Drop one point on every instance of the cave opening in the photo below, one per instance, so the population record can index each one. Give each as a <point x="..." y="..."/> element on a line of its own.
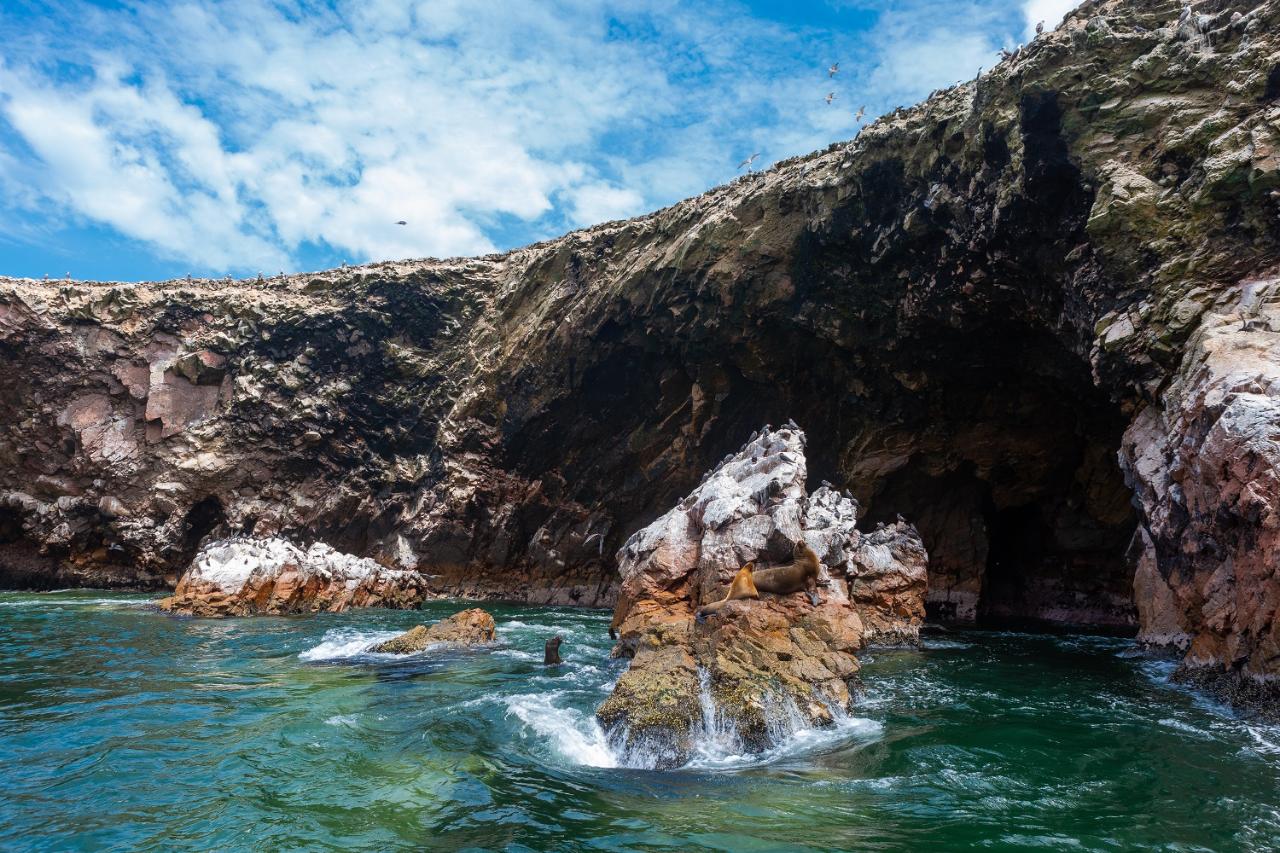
<point x="1014" y="484"/>
<point x="205" y="516"/>
<point x="22" y="566"/>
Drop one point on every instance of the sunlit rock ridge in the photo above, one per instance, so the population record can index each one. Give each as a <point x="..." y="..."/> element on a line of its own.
<point x="1035" y="314"/>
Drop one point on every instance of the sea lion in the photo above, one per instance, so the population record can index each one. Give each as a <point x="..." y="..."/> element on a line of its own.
<point x="551" y="654"/>
<point x="743" y="586"/>
<point x="800" y="573"/>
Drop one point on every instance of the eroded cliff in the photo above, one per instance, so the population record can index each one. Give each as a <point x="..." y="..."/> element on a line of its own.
<point x="1034" y="314"/>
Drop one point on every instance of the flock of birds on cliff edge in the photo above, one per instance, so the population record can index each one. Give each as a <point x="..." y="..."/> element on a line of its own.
<point x="834" y="69"/>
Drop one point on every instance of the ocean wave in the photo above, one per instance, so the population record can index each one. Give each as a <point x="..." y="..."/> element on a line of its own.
<point x="346" y="643"/>
<point x="571" y="734"/>
<point x="76" y="602"/>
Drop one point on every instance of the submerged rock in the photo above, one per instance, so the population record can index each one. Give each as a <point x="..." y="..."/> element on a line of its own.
<point x="469" y="628"/>
<point x="766" y="664"/>
<point x="241" y="577"/>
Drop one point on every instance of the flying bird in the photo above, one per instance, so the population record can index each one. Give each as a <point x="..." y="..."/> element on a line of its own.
<point x="401" y="222"/>
<point x="835" y="67"/>
<point x="861" y="112"/>
<point x="831" y="96"/>
<point x="747" y="162"/>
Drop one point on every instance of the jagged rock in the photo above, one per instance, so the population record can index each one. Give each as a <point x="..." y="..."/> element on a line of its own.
<point x="888" y="583"/>
<point x="971" y="307"/>
<point x="766" y="662"/>
<point x="1204" y="461"/>
<point x="472" y="627"/>
<point x="240" y="577"/>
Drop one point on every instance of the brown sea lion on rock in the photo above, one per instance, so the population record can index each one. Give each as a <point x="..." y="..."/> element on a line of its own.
<point x="551" y="654"/>
<point x="743" y="586"/>
<point x="800" y="574"/>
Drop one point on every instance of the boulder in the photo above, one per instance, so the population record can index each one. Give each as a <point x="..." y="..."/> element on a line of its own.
<point x="242" y="577"/>
<point x="760" y="667"/>
<point x="469" y="628"/>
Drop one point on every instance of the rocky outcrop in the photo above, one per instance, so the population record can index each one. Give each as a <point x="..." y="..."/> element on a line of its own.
<point x="888" y="580"/>
<point x="1204" y="462"/>
<point x="242" y="577"/>
<point x="971" y="307"/>
<point x="472" y="627"/>
<point x="759" y="665"/>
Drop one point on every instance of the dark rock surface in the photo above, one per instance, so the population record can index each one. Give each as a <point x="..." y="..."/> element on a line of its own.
<point x="972" y="308"/>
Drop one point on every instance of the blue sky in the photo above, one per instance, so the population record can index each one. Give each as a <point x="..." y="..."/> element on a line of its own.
<point x="147" y="140"/>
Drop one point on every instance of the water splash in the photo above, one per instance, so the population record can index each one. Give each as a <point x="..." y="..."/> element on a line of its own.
<point x="347" y="643"/>
<point x="572" y="735"/>
<point x="719" y="745"/>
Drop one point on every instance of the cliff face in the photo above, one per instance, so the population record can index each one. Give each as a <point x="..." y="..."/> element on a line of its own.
<point x="974" y="310"/>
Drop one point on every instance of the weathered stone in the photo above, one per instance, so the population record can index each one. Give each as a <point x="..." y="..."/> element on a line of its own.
<point x="468" y="628"/>
<point x="765" y="664"/>
<point x="242" y="577"/>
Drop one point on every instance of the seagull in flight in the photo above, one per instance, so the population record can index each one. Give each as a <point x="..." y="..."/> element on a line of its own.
<point x="831" y="96"/>
<point x="861" y="112"/>
<point x="834" y="69"/>
<point x="747" y="162"/>
<point x="401" y="222"/>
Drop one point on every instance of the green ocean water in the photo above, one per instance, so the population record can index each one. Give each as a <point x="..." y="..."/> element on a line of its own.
<point x="124" y="729"/>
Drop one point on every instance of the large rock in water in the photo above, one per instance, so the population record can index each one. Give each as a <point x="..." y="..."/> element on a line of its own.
<point x="975" y="307"/>
<point x="472" y="627"/>
<point x="765" y="665"/>
<point x="241" y="577"/>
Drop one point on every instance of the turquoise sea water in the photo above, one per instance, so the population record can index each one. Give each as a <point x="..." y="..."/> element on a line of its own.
<point x="124" y="729"/>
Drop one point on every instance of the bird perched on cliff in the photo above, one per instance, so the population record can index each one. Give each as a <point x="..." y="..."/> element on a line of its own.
<point x="861" y="112"/>
<point x="831" y="96"/>
<point x="834" y="69"/>
<point x="747" y="162"/>
<point x="401" y="222"/>
<point x="1040" y="28"/>
<point x="1005" y="53"/>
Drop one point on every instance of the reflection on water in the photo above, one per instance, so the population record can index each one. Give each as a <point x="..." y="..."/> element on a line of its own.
<point x="122" y="728"/>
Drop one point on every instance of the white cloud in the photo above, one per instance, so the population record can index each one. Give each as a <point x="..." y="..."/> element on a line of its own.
<point x="1051" y="12"/>
<point x="235" y="134"/>
<point x="601" y="202"/>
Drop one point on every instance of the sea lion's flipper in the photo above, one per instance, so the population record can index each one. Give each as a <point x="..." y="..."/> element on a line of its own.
<point x="813" y="596"/>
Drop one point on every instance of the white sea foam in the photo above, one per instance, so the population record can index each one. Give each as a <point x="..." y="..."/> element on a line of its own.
<point x="930" y="644"/>
<point x="346" y="721"/>
<point x="343" y="643"/>
<point x="572" y="735"/>
<point x="718" y="745"/>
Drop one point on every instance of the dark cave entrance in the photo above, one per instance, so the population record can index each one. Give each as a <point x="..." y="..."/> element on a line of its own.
<point x="1015" y="561"/>
<point x="1023" y="509"/>
<point x="204" y="517"/>
<point x="22" y="566"/>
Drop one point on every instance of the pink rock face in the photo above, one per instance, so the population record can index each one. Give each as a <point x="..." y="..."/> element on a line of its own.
<point x="242" y="577"/>
<point x="1205" y="465"/>
<point x="764" y="664"/>
<point x="174" y="402"/>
